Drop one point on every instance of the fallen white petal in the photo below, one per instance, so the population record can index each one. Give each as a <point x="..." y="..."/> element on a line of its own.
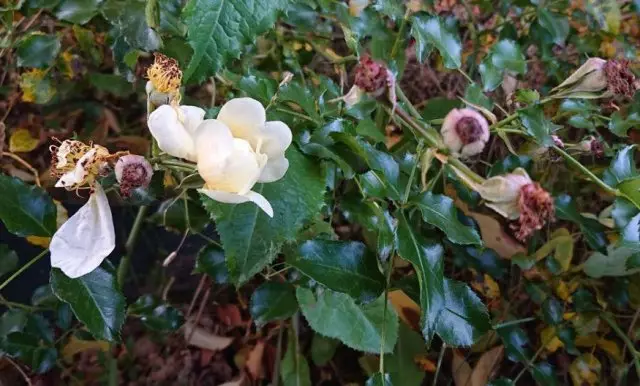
<point x="86" y="239"/>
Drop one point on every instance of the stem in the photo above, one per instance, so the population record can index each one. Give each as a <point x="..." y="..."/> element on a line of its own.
<point x="295" y="114"/>
<point x="384" y="315"/>
<point x="403" y="26"/>
<point x="23" y="268"/>
<point x="513" y="322"/>
<point x="440" y="357"/>
<point x="407" y="190"/>
<point x="123" y="267"/>
<point x="403" y="97"/>
<point x="586" y="171"/>
<point x="431" y="141"/>
<point x="607" y="318"/>
<point x="179" y="164"/>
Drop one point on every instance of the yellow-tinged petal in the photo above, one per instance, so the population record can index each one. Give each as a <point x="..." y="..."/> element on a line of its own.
<point x="245" y="117"/>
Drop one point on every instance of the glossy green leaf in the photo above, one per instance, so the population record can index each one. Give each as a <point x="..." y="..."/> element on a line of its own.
<point x="337" y="315"/>
<point x="426" y="258"/>
<point x="509" y="164"/>
<point x="538" y="125"/>
<point x="619" y="125"/>
<point x="544" y="374"/>
<point x="172" y="214"/>
<point x="294" y="368"/>
<point x="556" y="25"/>
<point x="475" y="95"/>
<point x="341" y="266"/>
<point x="378" y="225"/>
<point x="379" y="379"/>
<point x="12" y="320"/>
<point x="129" y="16"/>
<point x="401" y="364"/>
<point x="95" y="300"/>
<point x="431" y="31"/>
<point x="391" y="8"/>
<point x="440" y="211"/>
<point x="8" y="260"/>
<point x="614" y="263"/>
<point x="591" y="229"/>
<point x="77" y="11"/>
<point x="516" y="343"/>
<point x="250" y="238"/>
<point x="212" y="262"/>
<point x="273" y="301"/>
<point x="464" y="318"/>
<point x="26" y="210"/>
<point x="155" y="314"/>
<point x="622" y="167"/>
<point x="323" y="349"/>
<point x="218" y="29"/>
<point x="29" y="350"/>
<point x="552" y="310"/>
<point x="38" y="50"/>
<point x="505" y="55"/>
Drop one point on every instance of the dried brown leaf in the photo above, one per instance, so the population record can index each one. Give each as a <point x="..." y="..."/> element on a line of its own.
<point x="254" y="361"/>
<point x="202" y="338"/>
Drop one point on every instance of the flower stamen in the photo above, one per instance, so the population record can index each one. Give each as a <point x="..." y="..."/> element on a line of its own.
<point x="165" y="74"/>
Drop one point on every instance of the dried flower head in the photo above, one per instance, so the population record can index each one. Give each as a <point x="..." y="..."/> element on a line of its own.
<point x="516" y="197"/>
<point x="465" y="131"/>
<point x="165" y="74"/>
<point x="133" y="171"/>
<point x="77" y="165"/>
<point x="620" y="79"/>
<point x="372" y="77"/>
<point x="591" y="145"/>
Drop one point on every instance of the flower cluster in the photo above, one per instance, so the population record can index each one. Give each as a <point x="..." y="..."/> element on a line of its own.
<point x="233" y="152"/>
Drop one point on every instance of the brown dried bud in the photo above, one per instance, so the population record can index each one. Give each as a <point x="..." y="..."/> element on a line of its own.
<point x="620" y="79"/>
<point x="371" y="76"/>
<point x="133" y="171"/>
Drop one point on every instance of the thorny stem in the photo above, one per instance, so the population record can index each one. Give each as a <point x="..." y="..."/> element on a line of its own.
<point x="634" y="353"/>
<point x="586" y="171"/>
<point x="123" y="267"/>
<point x="23" y="268"/>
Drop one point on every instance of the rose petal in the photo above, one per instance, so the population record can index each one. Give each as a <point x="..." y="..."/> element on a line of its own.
<point x="170" y="133"/>
<point x="77" y="175"/>
<point x="274" y="170"/>
<point x="192" y="117"/>
<point x="276" y="138"/>
<point x="245" y="117"/>
<point x="86" y="239"/>
<point x="233" y="198"/>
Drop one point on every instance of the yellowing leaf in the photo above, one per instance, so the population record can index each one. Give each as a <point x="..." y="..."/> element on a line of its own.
<point x="561" y="246"/>
<point x="585" y="370"/>
<point x="487" y="287"/>
<point x="550" y="340"/>
<point x="61" y="216"/>
<point x="589" y="340"/>
<point x="21" y="141"/>
<point x="76" y="345"/>
<point x="407" y="309"/>
<point x="611" y="348"/>
<point x="564" y="289"/>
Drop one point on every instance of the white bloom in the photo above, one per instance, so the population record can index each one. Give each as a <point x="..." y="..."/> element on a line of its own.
<point x="233" y="152"/>
<point x="502" y="192"/>
<point x="86" y="239"/>
<point x="465" y="131"/>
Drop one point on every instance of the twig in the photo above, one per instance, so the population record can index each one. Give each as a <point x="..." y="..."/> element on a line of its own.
<point x="123" y="267"/>
<point x="23" y="268"/>
<point x="438" y="366"/>
<point x="196" y="294"/>
<point x="23" y="163"/>
<point x="203" y="302"/>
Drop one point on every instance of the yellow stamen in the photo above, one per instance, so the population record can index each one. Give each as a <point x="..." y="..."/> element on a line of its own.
<point x="165" y="74"/>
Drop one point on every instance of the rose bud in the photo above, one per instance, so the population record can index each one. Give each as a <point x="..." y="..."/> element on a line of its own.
<point x="133" y="171"/>
<point x="596" y="75"/>
<point x="516" y="197"/>
<point x="465" y="131"/>
<point x="591" y="145"/>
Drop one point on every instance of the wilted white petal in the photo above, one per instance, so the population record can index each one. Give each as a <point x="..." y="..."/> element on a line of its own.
<point x="86" y="239"/>
<point x="244" y="116"/>
<point x="172" y="136"/>
<point x="505" y="188"/>
<point x="276" y="138"/>
<point x="77" y="175"/>
<point x="274" y="170"/>
<point x="233" y="198"/>
<point x="589" y="77"/>
<point x="473" y="148"/>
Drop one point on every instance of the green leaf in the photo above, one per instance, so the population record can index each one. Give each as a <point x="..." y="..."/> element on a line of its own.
<point x="217" y="30"/>
<point x="95" y="300"/>
<point x="538" y="125"/>
<point x="323" y="349"/>
<point x="26" y="210"/>
<point x="401" y="363"/>
<point x="591" y="229"/>
<point x="391" y="8"/>
<point x="173" y="214"/>
<point x="129" y="17"/>
<point x="156" y="315"/>
<point x="38" y="50"/>
<point x="378" y="225"/>
<point x="8" y="260"/>
<point x="619" y="126"/>
<point x="211" y="262"/>
<point x="556" y="25"/>
<point x="426" y="258"/>
<point x="86" y="41"/>
<point x="113" y="84"/>
<point x="251" y="239"/>
<point x="360" y="327"/>
<point x="622" y="167"/>
<point x="503" y="56"/>
<point x="379" y="379"/>
<point x="431" y="31"/>
<point x="77" y="11"/>
<point x="294" y="367"/>
<point x="341" y="266"/>
<point x="614" y="263"/>
<point x="552" y="310"/>
<point x="544" y="373"/>
<point x="12" y="320"/>
<point x="439" y="107"/>
<point x="464" y="318"/>
<point x="474" y="94"/>
<point x="509" y="164"/>
<point x="440" y="211"/>
<point x="273" y="301"/>
<point x="515" y="341"/>
<point x="29" y="350"/>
